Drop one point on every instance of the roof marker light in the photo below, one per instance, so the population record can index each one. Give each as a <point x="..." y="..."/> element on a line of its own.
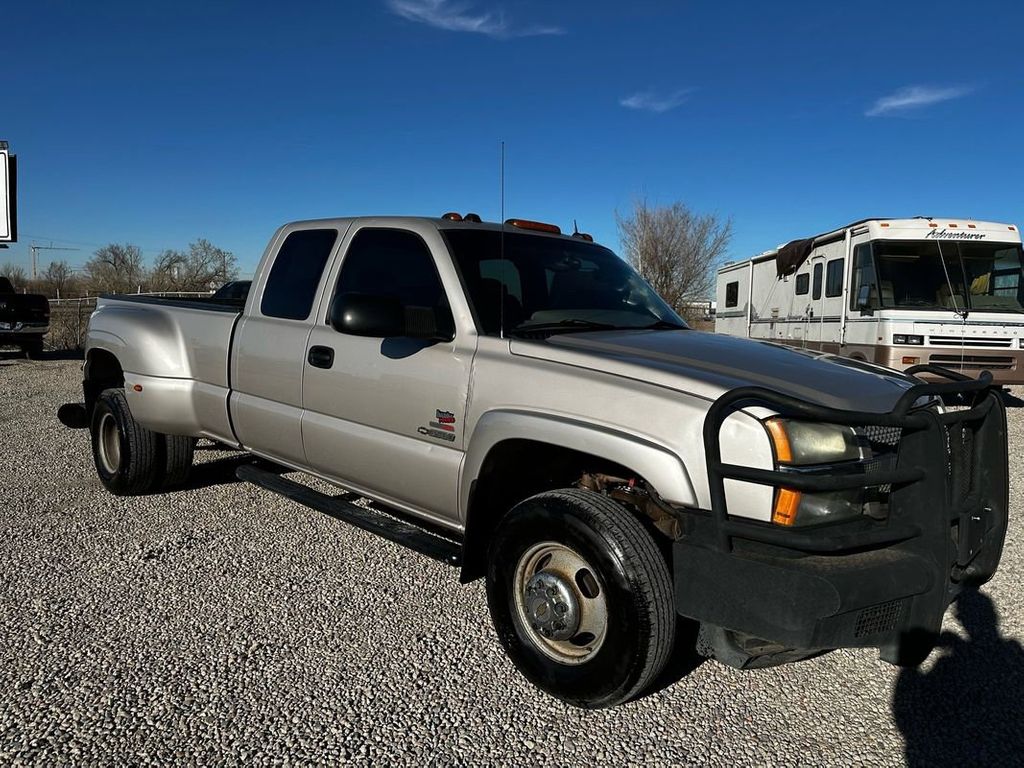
<point x="452" y="216"/>
<point x="971" y="226"/>
<point x="1012" y="229"/>
<point x="473" y="217"/>
<point x="537" y="226"/>
<point x="932" y="224"/>
<point x="952" y="225"/>
<point x="884" y="224"/>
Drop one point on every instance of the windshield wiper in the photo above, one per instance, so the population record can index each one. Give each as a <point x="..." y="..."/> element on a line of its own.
<point x="570" y="325"/>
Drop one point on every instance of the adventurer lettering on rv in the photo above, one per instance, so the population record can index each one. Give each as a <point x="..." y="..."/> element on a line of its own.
<point x="945" y="234"/>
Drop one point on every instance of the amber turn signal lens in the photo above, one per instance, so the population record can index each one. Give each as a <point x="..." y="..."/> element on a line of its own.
<point x="783" y="450"/>
<point x="787" y="502"/>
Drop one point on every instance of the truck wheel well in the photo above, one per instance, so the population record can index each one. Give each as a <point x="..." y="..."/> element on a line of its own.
<point x="515" y="470"/>
<point x="102" y="371"/>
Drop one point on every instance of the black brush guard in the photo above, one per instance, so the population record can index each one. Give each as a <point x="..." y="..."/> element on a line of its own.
<point x="864" y="583"/>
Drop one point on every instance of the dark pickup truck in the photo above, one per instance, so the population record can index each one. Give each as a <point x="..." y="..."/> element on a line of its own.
<point x="24" y="319"/>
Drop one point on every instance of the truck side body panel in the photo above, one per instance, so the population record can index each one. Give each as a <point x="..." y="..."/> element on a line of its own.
<point x="390" y="413"/>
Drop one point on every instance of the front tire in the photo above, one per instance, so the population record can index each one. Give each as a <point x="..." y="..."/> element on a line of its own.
<point x="125" y="453"/>
<point x="581" y="597"/>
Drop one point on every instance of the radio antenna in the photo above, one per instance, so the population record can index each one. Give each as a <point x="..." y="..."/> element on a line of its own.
<point x="501" y="244"/>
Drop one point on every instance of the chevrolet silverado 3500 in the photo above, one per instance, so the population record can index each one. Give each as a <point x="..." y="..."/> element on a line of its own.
<point x="527" y="409"/>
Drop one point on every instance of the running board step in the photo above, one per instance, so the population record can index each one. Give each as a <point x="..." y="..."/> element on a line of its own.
<point x="400" y="532"/>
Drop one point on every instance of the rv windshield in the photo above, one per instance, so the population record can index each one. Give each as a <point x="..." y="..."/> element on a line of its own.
<point x="938" y="274"/>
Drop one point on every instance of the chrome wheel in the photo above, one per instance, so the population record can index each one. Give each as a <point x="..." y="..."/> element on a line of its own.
<point x="560" y="603"/>
<point x="109" y="443"/>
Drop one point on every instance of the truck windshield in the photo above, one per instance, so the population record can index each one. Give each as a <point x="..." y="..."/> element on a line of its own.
<point x="550" y="284"/>
<point x="934" y="274"/>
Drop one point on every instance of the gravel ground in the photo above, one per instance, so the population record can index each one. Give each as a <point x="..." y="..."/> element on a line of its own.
<point x="222" y="624"/>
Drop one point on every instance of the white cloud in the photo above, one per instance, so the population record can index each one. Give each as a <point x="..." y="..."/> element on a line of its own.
<point x="460" y="17"/>
<point x="649" y="101"/>
<point x="914" y="97"/>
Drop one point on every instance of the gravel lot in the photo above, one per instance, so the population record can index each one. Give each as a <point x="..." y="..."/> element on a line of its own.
<point x="222" y="624"/>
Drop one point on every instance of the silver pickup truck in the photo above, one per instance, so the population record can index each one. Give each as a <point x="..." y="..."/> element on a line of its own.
<point x="520" y="404"/>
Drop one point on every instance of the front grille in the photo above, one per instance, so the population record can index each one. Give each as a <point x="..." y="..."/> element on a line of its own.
<point x="877" y="619"/>
<point x="877" y="436"/>
<point x="970" y="341"/>
<point x="882" y="443"/>
<point x="974" y="362"/>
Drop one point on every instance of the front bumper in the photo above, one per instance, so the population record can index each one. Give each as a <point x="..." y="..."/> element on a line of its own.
<point x="1005" y="364"/>
<point x="867" y="583"/>
<point x="22" y="333"/>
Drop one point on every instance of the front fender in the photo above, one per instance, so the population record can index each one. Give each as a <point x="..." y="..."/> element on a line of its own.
<point x="661" y="468"/>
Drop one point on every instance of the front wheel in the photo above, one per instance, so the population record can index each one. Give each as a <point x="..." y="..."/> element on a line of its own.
<point x="581" y="597"/>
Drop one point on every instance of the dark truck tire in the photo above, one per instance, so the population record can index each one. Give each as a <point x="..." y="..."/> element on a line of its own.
<point x="33" y="349"/>
<point x="125" y="453"/>
<point x="557" y="562"/>
<point x="177" y="452"/>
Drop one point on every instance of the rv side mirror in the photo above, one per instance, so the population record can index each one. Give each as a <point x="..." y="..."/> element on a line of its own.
<point x="864" y="298"/>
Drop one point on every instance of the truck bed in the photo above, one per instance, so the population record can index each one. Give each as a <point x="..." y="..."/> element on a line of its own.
<point x="196" y="302"/>
<point x="176" y="352"/>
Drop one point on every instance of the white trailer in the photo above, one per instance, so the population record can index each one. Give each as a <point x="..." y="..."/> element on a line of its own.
<point x="897" y="292"/>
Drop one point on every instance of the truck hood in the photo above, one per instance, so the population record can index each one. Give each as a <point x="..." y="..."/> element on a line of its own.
<point x="708" y="365"/>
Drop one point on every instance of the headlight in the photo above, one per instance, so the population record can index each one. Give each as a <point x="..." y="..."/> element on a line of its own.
<point x="907" y="338"/>
<point x="805" y="443"/>
<point x="798" y="443"/>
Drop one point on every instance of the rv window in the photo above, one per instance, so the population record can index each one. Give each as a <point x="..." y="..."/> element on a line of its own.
<point x="834" y="279"/>
<point x="732" y="294"/>
<point x="816" y="293"/>
<point x="803" y="284"/>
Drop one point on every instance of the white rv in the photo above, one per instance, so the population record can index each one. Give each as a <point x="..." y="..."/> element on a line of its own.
<point x="898" y="292"/>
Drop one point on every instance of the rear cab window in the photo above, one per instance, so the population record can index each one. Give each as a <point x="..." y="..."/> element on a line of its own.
<point x="291" y="286"/>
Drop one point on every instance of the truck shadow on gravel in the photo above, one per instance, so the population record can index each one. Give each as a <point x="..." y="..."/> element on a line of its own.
<point x="968" y="709"/>
<point x="216" y="472"/>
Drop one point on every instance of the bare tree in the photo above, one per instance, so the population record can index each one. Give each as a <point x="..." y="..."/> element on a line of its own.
<point x="676" y="250"/>
<point x="16" y="274"/>
<point x="115" y="268"/>
<point x="58" y="280"/>
<point x="204" y="266"/>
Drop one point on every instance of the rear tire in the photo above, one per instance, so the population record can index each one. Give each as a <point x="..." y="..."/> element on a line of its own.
<point x="33" y="350"/>
<point x="581" y="597"/>
<point x="125" y="453"/>
<point x="178" y="453"/>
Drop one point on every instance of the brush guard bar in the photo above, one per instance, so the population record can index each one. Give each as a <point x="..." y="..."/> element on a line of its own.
<point x="865" y="582"/>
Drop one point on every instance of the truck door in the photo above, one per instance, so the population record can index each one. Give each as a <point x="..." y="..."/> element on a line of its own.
<point x="386" y="416"/>
<point x="270" y="346"/>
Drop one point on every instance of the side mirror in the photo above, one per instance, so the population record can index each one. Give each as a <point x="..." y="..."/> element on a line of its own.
<point x="385" y="317"/>
<point x="360" y="314"/>
<point x="864" y="298"/>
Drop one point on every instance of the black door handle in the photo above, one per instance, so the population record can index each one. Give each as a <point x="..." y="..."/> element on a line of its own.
<point x="321" y="357"/>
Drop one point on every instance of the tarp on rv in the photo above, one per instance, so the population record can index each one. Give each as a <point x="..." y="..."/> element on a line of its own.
<point x="792" y="255"/>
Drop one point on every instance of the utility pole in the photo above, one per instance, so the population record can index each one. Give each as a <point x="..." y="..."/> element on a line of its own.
<point x="35" y="255"/>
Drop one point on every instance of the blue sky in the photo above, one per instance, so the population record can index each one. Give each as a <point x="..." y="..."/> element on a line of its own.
<point x="158" y="123"/>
